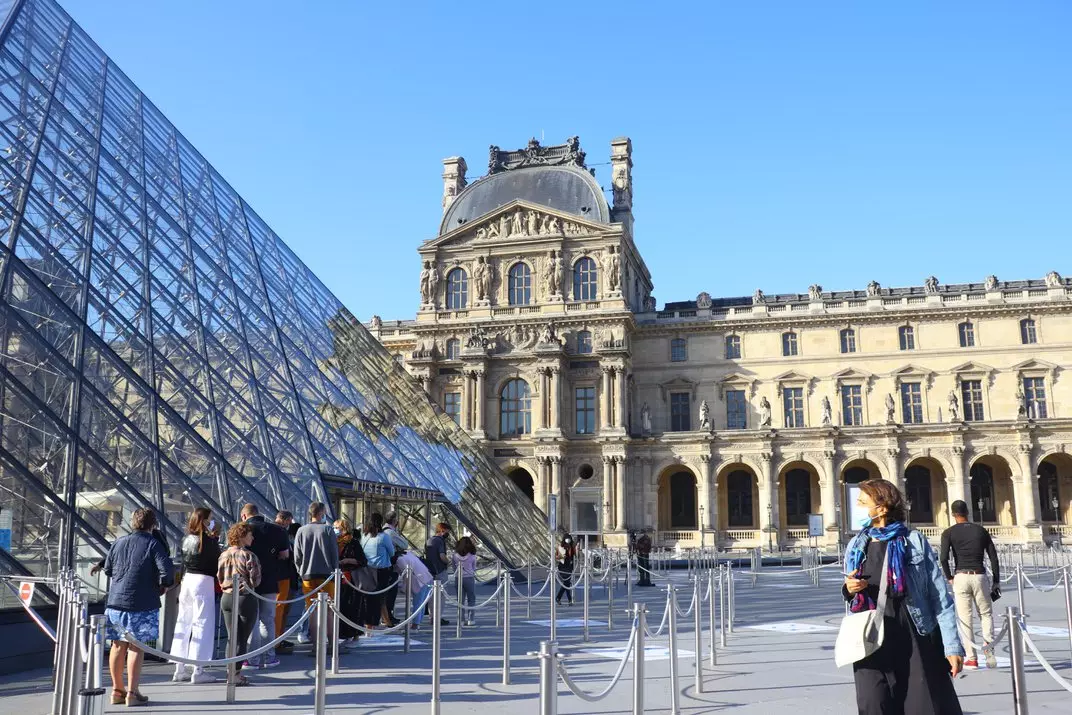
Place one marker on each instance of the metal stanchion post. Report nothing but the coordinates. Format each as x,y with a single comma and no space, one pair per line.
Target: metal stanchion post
638,658
336,622
437,641
1068,608
91,697
506,628
731,599
1020,589
697,636
528,590
1016,655
553,575
548,678
629,577
587,591
498,598
321,686
409,607
671,607
610,604
61,657
711,615
461,611
79,625
232,640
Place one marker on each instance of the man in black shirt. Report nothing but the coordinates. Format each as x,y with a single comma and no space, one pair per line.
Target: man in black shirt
272,547
970,584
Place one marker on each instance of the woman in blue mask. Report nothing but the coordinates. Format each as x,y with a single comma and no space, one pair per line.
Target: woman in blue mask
911,673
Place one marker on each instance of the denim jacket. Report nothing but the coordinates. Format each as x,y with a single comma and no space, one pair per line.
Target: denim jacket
929,602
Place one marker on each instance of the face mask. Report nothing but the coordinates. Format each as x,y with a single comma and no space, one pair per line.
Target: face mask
212,525
865,521
337,530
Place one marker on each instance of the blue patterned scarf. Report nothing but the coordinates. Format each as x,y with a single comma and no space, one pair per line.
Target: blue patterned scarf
894,535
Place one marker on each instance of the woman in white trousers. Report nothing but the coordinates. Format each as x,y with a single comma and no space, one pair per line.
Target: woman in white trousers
196,622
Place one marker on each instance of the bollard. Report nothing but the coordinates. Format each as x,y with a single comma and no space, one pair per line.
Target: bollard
409,608
610,602
320,693
458,583
1016,655
506,628
528,589
335,621
671,607
638,658
232,640
730,598
697,635
1020,589
437,641
1068,608
548,678
79,634
91,697
711,615
62,655
629,577
587,591
498,598
553,575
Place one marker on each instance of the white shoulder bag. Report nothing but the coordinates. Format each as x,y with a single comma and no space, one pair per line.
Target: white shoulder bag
861,633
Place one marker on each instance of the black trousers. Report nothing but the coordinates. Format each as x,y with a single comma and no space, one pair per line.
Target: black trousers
247,619
643,566
566,577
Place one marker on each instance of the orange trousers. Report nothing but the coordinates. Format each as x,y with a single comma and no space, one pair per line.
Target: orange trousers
281,609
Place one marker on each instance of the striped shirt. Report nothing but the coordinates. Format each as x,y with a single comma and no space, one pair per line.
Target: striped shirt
241,561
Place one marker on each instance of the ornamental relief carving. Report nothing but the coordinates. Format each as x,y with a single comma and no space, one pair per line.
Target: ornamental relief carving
525,223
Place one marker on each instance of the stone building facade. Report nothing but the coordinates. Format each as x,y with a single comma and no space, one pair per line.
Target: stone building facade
728,420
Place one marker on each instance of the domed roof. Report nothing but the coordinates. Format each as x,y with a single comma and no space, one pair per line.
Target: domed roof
564,188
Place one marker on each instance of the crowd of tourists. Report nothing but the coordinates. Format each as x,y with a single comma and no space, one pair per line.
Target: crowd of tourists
258,568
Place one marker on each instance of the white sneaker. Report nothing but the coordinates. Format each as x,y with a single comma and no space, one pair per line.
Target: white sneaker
181,674
203,677
304,639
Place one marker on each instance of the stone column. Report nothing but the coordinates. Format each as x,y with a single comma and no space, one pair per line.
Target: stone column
702,499
558,488
608,491
556,398
467,400
768,516
829,487
619,494
542,485
542,402
479,406
957,484
622,420
893,464
605,417
1026,489
709,497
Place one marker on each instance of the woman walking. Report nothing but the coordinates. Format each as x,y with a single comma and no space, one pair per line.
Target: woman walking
564,556
465,570
238,559
377,575
911,672
196,621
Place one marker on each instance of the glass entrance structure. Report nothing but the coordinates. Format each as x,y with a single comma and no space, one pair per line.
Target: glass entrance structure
161,347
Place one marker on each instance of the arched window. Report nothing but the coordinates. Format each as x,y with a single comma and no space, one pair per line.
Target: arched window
739,500
733,347
584,279
907,336
797,497
789,344
983,505
515,409
1028,336
520,284
918,493
523,481
682,501
457,289
848,340
453,347
967,334
584,342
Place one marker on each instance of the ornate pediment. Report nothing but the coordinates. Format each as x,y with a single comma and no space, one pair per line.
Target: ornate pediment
517,220
912,372
1035,367
972,367
736,380
568,154
678,384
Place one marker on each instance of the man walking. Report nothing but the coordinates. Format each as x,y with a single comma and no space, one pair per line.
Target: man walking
643,550
316,556
272,548
971,587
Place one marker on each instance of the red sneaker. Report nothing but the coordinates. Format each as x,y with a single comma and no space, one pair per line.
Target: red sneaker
971,663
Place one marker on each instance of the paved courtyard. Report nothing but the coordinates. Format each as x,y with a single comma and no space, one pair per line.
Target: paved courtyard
781,654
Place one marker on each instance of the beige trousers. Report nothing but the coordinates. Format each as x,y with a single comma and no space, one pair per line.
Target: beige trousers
973,590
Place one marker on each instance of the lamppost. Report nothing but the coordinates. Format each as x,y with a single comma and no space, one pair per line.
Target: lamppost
1057,515
701,527
908,506
770,528
979,503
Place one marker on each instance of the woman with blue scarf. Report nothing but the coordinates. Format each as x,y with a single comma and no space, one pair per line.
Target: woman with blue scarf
911,673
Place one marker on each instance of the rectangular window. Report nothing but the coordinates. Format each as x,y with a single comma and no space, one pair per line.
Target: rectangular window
586,410
736,410
793,402
680,413
852,405
452,405
848,341
911,403
789,344
1028,336
908,337
967,335
972,393
733,347
678,350
1035,397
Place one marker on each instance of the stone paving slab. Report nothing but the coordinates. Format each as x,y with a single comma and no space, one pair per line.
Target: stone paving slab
767,664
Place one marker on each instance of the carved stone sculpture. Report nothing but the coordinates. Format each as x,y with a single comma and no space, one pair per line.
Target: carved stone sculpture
703,301
1053,279
650,304
954,407
991,282
426,283
1021,402
517,226
873,289
377,322
931,285
553,274
504,226
548,334
433,283
612,267
815,292
482,279
891,408
827,413
532,223
705,416
764,412
758,297
645,419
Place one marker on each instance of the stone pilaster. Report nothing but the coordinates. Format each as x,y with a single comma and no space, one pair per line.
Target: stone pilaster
1027,496
829,487
619,494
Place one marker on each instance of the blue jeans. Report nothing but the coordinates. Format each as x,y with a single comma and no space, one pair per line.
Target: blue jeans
468,595
421,595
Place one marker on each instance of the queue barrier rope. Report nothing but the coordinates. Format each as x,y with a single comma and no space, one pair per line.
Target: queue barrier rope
477,607
418,609
1042,589
397,582
662,624
304,596
1042,661
688,612
997,639
596,697
533,597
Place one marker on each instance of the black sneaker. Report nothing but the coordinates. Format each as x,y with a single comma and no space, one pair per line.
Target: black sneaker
444,622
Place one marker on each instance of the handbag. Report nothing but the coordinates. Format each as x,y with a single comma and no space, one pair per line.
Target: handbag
861,633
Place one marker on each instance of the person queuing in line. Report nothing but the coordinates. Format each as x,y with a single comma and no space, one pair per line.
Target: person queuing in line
200,552
377,574
971,587
140,571
272,547
643,550
316,556
351,558
239,560
400,545
287,575
564,556
911,671
420,582
464,561
436,559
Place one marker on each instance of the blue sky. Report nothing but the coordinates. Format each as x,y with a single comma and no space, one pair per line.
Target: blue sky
776,144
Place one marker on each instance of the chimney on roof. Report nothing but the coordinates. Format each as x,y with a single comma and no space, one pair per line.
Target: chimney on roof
621,167
454,169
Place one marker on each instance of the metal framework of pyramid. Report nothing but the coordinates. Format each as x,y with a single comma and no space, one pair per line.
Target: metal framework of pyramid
161,347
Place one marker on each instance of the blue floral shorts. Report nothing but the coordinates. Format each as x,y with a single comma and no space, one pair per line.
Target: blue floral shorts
145,625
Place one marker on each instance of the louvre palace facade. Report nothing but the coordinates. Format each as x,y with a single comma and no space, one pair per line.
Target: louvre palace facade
733,420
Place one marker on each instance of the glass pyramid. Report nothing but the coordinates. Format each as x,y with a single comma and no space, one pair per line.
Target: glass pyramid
160,346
